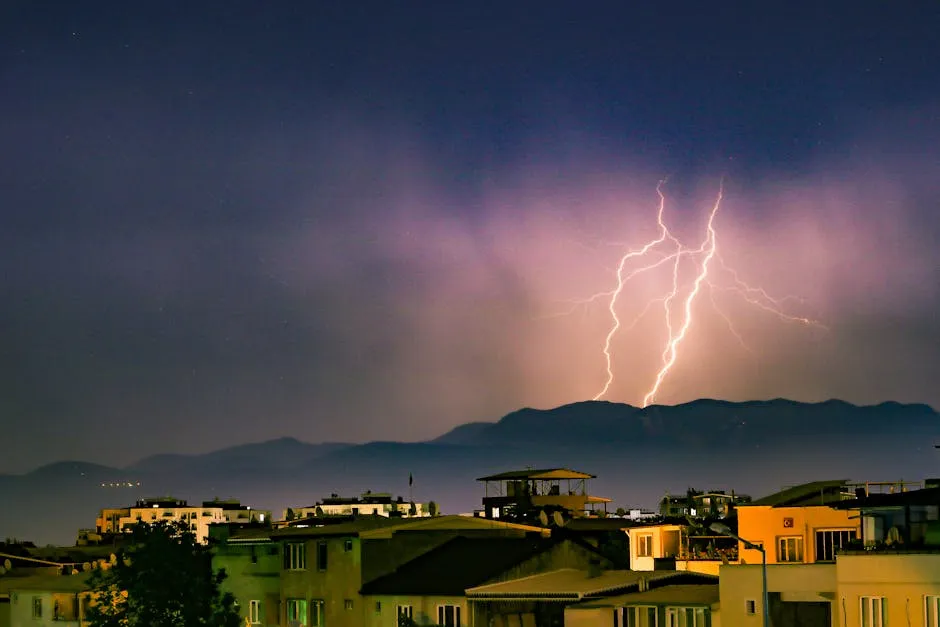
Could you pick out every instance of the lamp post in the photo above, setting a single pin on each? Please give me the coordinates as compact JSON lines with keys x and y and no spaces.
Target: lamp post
{"x":724,"y":530}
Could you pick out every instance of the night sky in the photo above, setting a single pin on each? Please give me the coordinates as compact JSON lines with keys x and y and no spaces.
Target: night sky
{"x":348,"y":221}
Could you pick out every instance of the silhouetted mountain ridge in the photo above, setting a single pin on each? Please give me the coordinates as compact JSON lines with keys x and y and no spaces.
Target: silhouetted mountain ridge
{"x":752,"y":447}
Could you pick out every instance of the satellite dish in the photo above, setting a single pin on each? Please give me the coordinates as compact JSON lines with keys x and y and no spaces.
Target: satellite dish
{"x":7,"y":564}
{"x":3,"y":571}
{"x":74,"y":571}
{"x":559,"y":519}
{"x":543,"y":518}
{"x":86,"y":566}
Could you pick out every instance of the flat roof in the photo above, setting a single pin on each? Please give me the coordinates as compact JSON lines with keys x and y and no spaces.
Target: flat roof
{"x":543,"y":474}
{"x":46,"y":582}
{"x":689,"y":595}
{"x":566,"y":584}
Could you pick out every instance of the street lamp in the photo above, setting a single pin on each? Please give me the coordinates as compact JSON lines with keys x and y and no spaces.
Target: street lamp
{"x":724,"y":530}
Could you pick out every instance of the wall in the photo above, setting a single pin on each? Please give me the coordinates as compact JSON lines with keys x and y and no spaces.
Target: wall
{"x":21,"y":609}
{"x":424,"y":609}
{"x":589,"y":617}
{"x":706,"y":567}
{"x":666,"y":540}
{"x":252,"y":578}
{"x":340,"y":581}
{"x":793,"y":582}
{"x":902,"y":579}
{"x":764,"y":524}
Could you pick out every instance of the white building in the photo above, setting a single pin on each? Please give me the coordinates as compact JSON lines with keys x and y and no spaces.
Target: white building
{"x":368,"y":504}
{"x":161,"y":509}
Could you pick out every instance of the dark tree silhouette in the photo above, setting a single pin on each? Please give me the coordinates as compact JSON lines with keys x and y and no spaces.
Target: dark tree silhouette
{"x":164,"y":578}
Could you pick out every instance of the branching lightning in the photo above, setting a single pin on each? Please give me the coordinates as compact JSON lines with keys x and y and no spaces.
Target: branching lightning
{"x":679,"y":303}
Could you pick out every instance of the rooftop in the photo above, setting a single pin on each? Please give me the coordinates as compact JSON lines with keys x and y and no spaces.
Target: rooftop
{"x":685,"y":594}
{"x":50,"y":582}
{"x":544,"y":474}
{"x":479,"y":560}
{"x":569,"y":584}
{"x":926,"y":496}
{"x":807,"y":494}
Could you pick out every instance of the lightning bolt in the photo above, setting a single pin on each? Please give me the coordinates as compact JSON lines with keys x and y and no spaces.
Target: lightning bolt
{"x":708,"y":262}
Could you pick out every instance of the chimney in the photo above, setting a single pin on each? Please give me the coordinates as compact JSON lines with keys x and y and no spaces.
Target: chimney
{"x":594,"y":568}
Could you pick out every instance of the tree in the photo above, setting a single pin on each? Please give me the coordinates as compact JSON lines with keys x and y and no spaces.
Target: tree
{"x":164,"y":577}
{"x":433,"y":509}
{"x":290,"y":514}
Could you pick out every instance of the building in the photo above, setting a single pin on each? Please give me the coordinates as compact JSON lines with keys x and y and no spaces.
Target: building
{"x":839,"y":554}
{"x":679,"y":546}
{"x":367,"y":504}
{"x":698,"y":504}
{"x":234,"y":512}
{"x":530,"y":495}
{"x":313,"y":574}
{"x":430,"y":589}
{"x":168,"y":509}
{"x":551,"y":598}
{"x":798,"y":525}
{"x":44,"y":600}
{"x":688,"y":605}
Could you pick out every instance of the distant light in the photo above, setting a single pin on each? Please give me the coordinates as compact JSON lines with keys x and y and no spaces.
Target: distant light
{"x":261,"y":517}
{"x":155,"y":506}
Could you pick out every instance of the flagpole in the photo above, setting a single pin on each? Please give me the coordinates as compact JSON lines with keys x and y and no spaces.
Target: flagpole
{"x":411,"y":492}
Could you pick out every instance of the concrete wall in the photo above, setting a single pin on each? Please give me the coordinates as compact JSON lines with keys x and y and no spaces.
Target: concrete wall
{"x":666,"y":540}
{"x":739,"y":584}
{"x":903,"y":581}
{"x":590,"y":617}
{"x":764,"y":525}
{"x":21,"y":609}
{"x":253,"y":573}
{"x":336,"y":585}
{"x":424,"y":609}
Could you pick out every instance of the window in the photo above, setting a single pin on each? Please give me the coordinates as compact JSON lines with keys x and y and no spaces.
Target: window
{"x":321,"y":555}
{"x":295,"y":556}
{"x":644,"y":545}
{"x":37,"y":607}
{"x":348,"y":604}
{"x":750,"y":607}
{"x":56,"y":610}
{"x":640,"y":616}
{"x":685,"y":617}
{"x":296,"y":612}
{"x":790,"y":549}
{"x":378,"y":607}
{"x":931,"y":611}
{"x":405,"y":613}
{"x":316,"y":613}
{"x":448,"y":615}
{"x":347,"y":545}
{"x":830,"y":541}
{"x":873,"y":612}
{"x":254,"y":612}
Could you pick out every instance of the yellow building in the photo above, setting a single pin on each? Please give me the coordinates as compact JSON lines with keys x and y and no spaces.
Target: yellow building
{"x":685,"y":605}
{"x":798,"y":525}
{"x":800,"y":595}
{"x":652,"y":546}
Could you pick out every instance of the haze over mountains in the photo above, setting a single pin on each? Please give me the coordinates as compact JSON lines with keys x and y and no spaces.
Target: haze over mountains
{"x":637,"y":454}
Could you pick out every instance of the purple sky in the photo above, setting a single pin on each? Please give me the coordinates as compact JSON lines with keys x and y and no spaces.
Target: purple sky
{"x":228,"y":226}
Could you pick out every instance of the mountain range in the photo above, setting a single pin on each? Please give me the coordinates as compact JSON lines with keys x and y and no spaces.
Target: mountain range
{"x":638,"y":454}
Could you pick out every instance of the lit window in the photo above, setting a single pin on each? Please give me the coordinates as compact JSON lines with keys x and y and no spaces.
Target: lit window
{"x":790,"y":549}
{"x":296,"y":612}
{"x":448,"y":615}
{"x":873,"y":612}
{"x":254,"y":612}
{"x":932,"y":610}
{"x":640,"y":616}
{"x":644,"y":545}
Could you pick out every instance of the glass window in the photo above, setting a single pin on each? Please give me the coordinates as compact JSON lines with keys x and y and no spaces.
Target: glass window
{"x":297,"y":612}
{"x":321,"y":555}
{"x":640,"y":616}
{"x":873,"y":612}
{"x":644,"y":545}
{"x":295,"y":556}
{"x":254,"y":612}
{"x":829,"y":541}
{"x":448,"y":615}
{"x":790,"y":549}
{"x":932,"y":611}
{"x":685,"y":617}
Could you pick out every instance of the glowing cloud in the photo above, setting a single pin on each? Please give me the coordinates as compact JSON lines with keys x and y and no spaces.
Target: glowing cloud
{"x":710,"y":270}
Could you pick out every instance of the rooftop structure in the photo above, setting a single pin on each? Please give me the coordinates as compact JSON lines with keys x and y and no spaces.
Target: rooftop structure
{"x":533,"y":494}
